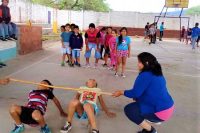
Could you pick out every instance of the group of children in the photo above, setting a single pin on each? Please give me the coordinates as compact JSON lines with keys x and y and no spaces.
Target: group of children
{"x":106,"y":42}
{"x":83,"y":106}
{"x":186,"y":36}
{"x":72,"y":44}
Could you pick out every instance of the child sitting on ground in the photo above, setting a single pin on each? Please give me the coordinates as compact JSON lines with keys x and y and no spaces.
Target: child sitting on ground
{"x":76,"y":45}
{"x":33,"y":112}
{"x":84,"y":106}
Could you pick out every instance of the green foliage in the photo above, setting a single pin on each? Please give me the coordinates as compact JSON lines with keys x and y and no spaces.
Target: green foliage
{"x":95,"y":5}
{"x":193,"y":10}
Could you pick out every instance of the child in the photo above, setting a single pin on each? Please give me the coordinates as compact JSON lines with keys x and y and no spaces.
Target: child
{"x":189,"y":35}
{"x":183,"y":34}
{"x":84,"y":106}
{"x":33,"y":112}
{"x":65,"y":44}
{"x":123,"y":50}
{"x":102,"y":40}
{"x":152,"y":33}
{"x":106,"y":46}
{"x":113,"y":52}
{"x":62,"y":28}
{"x":4,"y":81}
{"x":195,"y":35}
{"x":76,"y":45}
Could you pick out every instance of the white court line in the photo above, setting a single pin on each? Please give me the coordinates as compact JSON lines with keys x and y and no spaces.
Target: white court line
{"x":25,"y":68}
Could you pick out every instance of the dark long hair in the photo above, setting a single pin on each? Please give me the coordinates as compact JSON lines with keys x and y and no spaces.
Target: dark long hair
{"x":121,"y":37}
{"x":49,"y":83}
{"x":150,"y":63}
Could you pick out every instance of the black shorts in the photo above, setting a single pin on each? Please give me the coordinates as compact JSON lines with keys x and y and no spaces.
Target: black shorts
{"x":26,"y":116}
{"x":107,"y":50}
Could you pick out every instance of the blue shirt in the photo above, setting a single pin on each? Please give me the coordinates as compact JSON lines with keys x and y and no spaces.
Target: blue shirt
{"x":66,"y":36}
{"x":125,"y":43}
{"x":195,"y":32}
{"x":151,"y":93}
{"x":161,"y":27}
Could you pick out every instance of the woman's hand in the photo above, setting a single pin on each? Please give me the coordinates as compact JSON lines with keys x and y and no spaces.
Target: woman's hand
{"x":4,"y":81}
{"x":110,"y":114}
{"x":118,"y":93}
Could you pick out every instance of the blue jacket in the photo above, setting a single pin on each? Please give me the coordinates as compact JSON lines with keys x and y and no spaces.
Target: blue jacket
{"x":151,"y":93}
{"x":76,"y":41}
{"x":195,"y":32}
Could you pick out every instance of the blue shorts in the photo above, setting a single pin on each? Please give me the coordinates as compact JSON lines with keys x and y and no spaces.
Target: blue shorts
{"x":76,"y":53}
{"x":88,"y":53}
{"x":84,"y":115}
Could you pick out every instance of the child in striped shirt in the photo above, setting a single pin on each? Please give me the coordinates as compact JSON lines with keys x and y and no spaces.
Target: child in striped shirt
{"x":33,"y":112}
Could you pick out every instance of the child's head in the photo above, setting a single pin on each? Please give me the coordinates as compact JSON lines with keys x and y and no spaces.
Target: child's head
{"x":148,"y":62}
{"x":92,"y":27}
{"x":91,"y":83}
{"x":5,"y":2}
{"x":123,"y":31}
{"x":183,"y":27}
{"x":62,"y":28}
{"x":103,"y":29}
{"x":67,"y":27}
{"x":72,"y":26}
{"x":76,"y":29}
{"x":114,"y":32}
{"x":196,"y":24}
{"x":45,"y":82}
{"x":109,"y":30}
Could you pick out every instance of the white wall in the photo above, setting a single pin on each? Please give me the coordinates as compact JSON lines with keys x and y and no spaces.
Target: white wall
{"x":22,"y":11}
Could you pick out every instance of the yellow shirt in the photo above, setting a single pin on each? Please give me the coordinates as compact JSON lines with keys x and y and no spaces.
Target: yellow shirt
{"x":89,"y":94}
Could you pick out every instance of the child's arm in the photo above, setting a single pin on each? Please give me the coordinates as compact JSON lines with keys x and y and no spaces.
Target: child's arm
{"x":62,"y":43}
{"x":104,"y":107}
{"x":4,"y":81}
{"x":78,"y":96}
{"x":57,"y":103}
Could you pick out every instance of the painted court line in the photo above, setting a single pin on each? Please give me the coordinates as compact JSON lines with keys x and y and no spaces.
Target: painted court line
{"x":25,"y":68}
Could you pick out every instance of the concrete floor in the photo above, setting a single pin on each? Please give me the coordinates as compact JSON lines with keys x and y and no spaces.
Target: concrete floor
{"x":181,"y":68}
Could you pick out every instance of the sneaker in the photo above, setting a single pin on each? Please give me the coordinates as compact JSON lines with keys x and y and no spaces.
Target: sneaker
{"x":105,"y":65}
{"x":94,"y":131}
{"x":116,"y":75}
{"x":145,"y":131}
{"x":95,"y":65}
{"x":2,"y":64}
{"x":45,"y":129}
{"x":18,"y":129}
{"x":62,"y":64}
{"x":79,"y":65}
{"x":87,"y":65}
{"x":123,"y":76}
{"x":67,"y":61}
{"x":71,"y":65}
{"x":66,"y":128}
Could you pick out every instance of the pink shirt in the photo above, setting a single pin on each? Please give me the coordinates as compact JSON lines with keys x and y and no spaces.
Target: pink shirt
{"x":165,"y":114}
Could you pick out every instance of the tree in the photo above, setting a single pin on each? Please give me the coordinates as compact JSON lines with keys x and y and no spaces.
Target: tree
{"x":95,"y":5}
{"x":193,"y":10}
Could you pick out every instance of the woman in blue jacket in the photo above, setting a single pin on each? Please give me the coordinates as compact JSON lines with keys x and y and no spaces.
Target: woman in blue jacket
{"x":152,"y":102}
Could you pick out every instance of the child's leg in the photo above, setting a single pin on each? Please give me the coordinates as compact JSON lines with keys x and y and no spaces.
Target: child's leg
{"x":74,"y":106}
{"x":37,"y":116}
{"x":123,"y":64}
{"x":119,"y":60}
{"x":88,"y":108}
{"x":15,"y":112}
{"x":78,"y":60}
{"x":63,"y":58}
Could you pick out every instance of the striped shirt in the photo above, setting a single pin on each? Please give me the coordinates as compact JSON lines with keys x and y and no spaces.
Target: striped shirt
{"x":38,"y":99}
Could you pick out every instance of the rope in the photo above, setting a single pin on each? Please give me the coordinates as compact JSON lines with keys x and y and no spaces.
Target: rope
{"x":60,"y":87}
